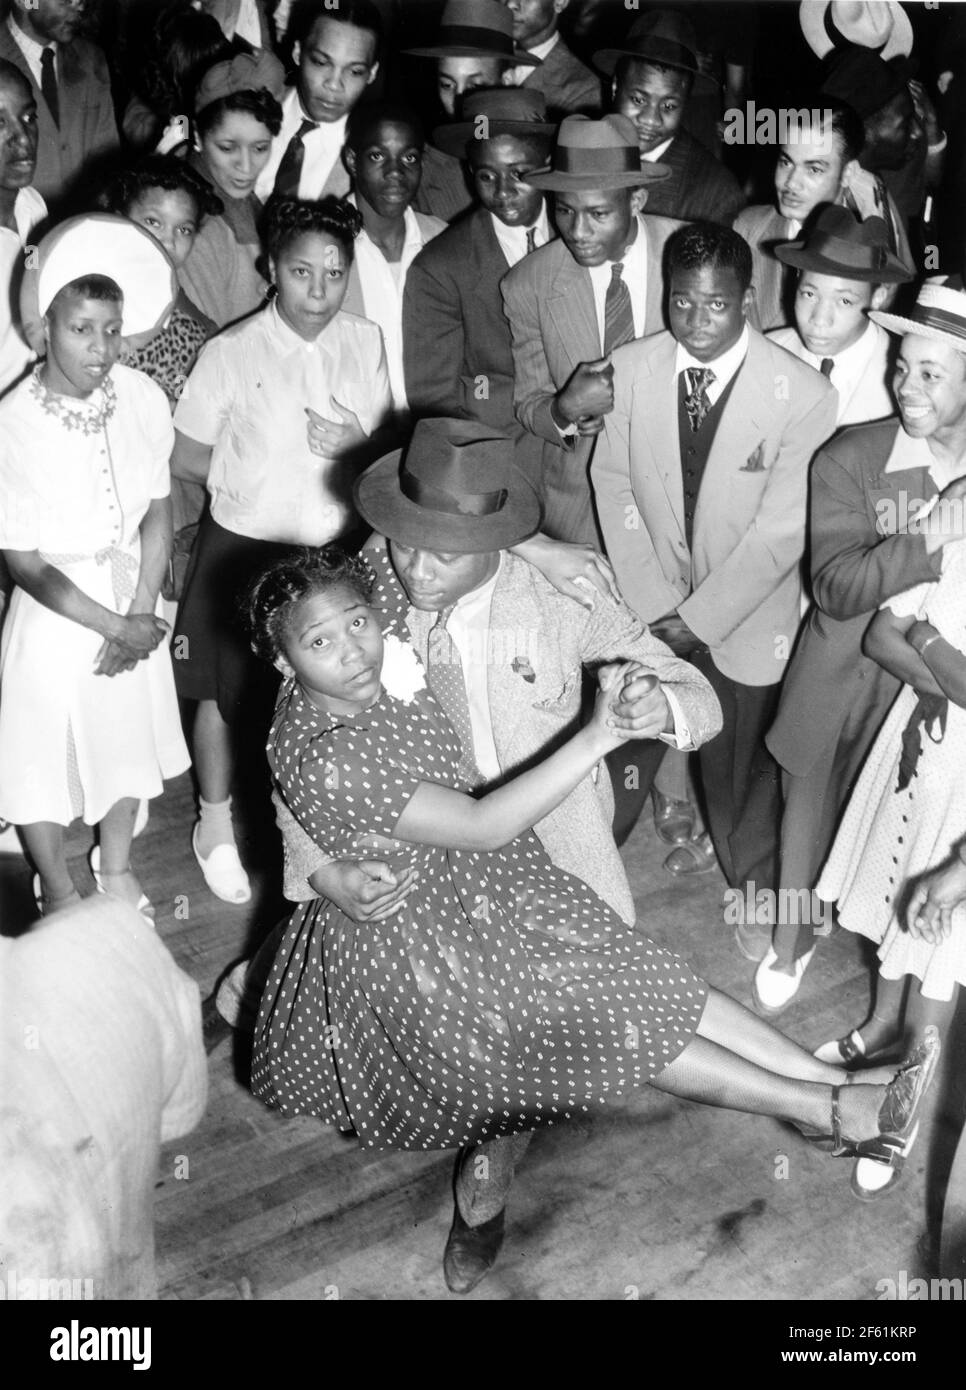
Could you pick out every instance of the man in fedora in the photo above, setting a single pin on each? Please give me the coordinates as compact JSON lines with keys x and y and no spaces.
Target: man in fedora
{"x":865,"y":487}
{"x":571,"y":303}
{"x":568,"y":85}
{"x":456,"y":340}
{"x":446,"y":514}
{"x":817,"y":164}
{"x":472,"y":48}
{"x":904,"y":150}
{"x":844,"y":269}
{"x":652,"y":78}
{"x":700,"y":478}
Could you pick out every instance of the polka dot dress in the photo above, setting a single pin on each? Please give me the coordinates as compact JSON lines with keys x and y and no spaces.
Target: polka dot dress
{"x":504,"y":996}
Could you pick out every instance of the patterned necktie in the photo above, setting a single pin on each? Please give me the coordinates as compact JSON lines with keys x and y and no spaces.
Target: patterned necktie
{"x":445,"y":672}
{"x":827,"y":364}
{"x":531,"y":239}
{"x":696,"y":402}
{"x":289,"y":174}
{"x":48,"y":84}
{"x":618,"y":314}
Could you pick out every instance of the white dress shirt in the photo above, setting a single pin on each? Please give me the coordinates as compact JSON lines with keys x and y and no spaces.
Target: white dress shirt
{"x":382,"y":283}
{"x":859,"y":374}
{"x":517,"y":76}
{"x":654,"y":156}
{"x":31,"y":50}
{"x":246,"y":397}
{"x":724,"y":367}
{"x":634,"y":275}
{"x":513,"y":240}
{"x":323,"y":148}
{"x":469,"y":627}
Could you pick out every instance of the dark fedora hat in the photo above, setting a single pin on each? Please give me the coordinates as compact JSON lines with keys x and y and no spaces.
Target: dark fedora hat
{"x":664,"y":37}
{"x":597,"y":154}
{"x":839,"y":244}
{"x":455,"y":488}
{"x":492,"y":111}
{"x":860,"y":77}
{"x":476,"y":29}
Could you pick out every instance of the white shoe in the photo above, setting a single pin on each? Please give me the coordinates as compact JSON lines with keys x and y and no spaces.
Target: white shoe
{"x":773,"y":990}
{"x":223,"y":872}
{"x":842,"y":1052}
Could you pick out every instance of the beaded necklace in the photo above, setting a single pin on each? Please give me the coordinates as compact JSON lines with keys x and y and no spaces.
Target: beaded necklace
{"x":85,"y":417}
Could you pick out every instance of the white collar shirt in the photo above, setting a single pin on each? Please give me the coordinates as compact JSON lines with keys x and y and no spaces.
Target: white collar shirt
{"x":323,"y":148}
{"x":382,"y":283}
{"x":849,"y":371}
{"x":31,"y":50}
{"x":28,"y":210}
{"x":724,"y":367}
{"x":469,"y":627}
{"x":654,"y":156}
{"x":247,"y":398}
{"x":634,"y":276}
{"x":517,"y":76}
{"x":513,"y":240}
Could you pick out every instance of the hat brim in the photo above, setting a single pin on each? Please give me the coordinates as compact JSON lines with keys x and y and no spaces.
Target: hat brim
{"x":554,"y":182}
{"x":605,"y":60}
{"x":381,"y":502}
{"x":812,"y":20}
{"x":453,"y":139}
{"x":894,"y":323}
{"x":519,"y":58}
{"x":892,"y":273}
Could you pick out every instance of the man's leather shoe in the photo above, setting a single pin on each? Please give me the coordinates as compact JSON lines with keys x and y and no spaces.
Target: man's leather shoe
{"x":214,"y":1028}
{"x":471,"y":1251}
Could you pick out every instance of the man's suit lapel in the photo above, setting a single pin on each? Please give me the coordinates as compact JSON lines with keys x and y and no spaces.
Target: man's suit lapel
{"x":743,"y":426}
{"x":570,"y":304}
{"x":509,"y":692}
{"x":654,"y":295}
{"x":658,"y":423}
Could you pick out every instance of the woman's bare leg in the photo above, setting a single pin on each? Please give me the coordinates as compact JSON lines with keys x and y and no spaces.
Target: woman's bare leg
{"x":117,"y":831}
{"x":45,"y":845}
{"x":709,"y":1073}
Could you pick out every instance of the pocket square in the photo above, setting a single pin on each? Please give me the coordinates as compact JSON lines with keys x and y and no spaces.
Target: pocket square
{"x":756,"y":460}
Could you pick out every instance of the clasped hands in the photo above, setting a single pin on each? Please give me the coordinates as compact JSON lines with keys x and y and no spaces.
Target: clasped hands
{"x":630,"y":703}
{"x":134,"y":636}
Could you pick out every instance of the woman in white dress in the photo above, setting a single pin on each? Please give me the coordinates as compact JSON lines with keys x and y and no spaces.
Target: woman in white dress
{"x":88,"y":714}
{"x":907,"y":813}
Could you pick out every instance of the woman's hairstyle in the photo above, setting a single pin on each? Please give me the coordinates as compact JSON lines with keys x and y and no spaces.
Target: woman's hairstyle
{"x":261,"y":104}
{"x":160,"y":171}
{"x":284,"y":583}
{"x":286,"y":218}
{"x":707,"y":244}
{"x":364,"y":119}
{"x":98,"y":287}
{"x":177,"y":49}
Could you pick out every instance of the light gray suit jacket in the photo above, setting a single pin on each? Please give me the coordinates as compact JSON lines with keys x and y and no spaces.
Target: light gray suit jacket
{"x":739,"y":586}
{"x":535,"y":703}
{"x":549,"y":302}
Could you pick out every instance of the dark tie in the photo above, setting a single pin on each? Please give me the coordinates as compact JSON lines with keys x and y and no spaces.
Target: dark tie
{"x":531,"y":239}
{"x":618,"y":314}
{"x":290,"y":168}
{"x":827,"y":364}
{"x":48,"y":84}
{"x":696,"y":402}
{"x":445,"y":672}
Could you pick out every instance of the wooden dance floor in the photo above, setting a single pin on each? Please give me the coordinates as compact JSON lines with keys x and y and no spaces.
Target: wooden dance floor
{"x":652,"y":1199}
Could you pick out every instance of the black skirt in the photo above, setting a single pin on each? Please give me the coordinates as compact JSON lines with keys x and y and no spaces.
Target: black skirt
{"x":213,"y":659}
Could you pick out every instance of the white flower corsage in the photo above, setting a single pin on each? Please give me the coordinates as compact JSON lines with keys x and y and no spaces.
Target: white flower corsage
{"x":402,"y":674}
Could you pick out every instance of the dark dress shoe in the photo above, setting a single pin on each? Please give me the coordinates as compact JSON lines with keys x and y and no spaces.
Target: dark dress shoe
{"x":471,"y":1251}
{"x":673,"y":820}
{"x":214,"y":1028}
